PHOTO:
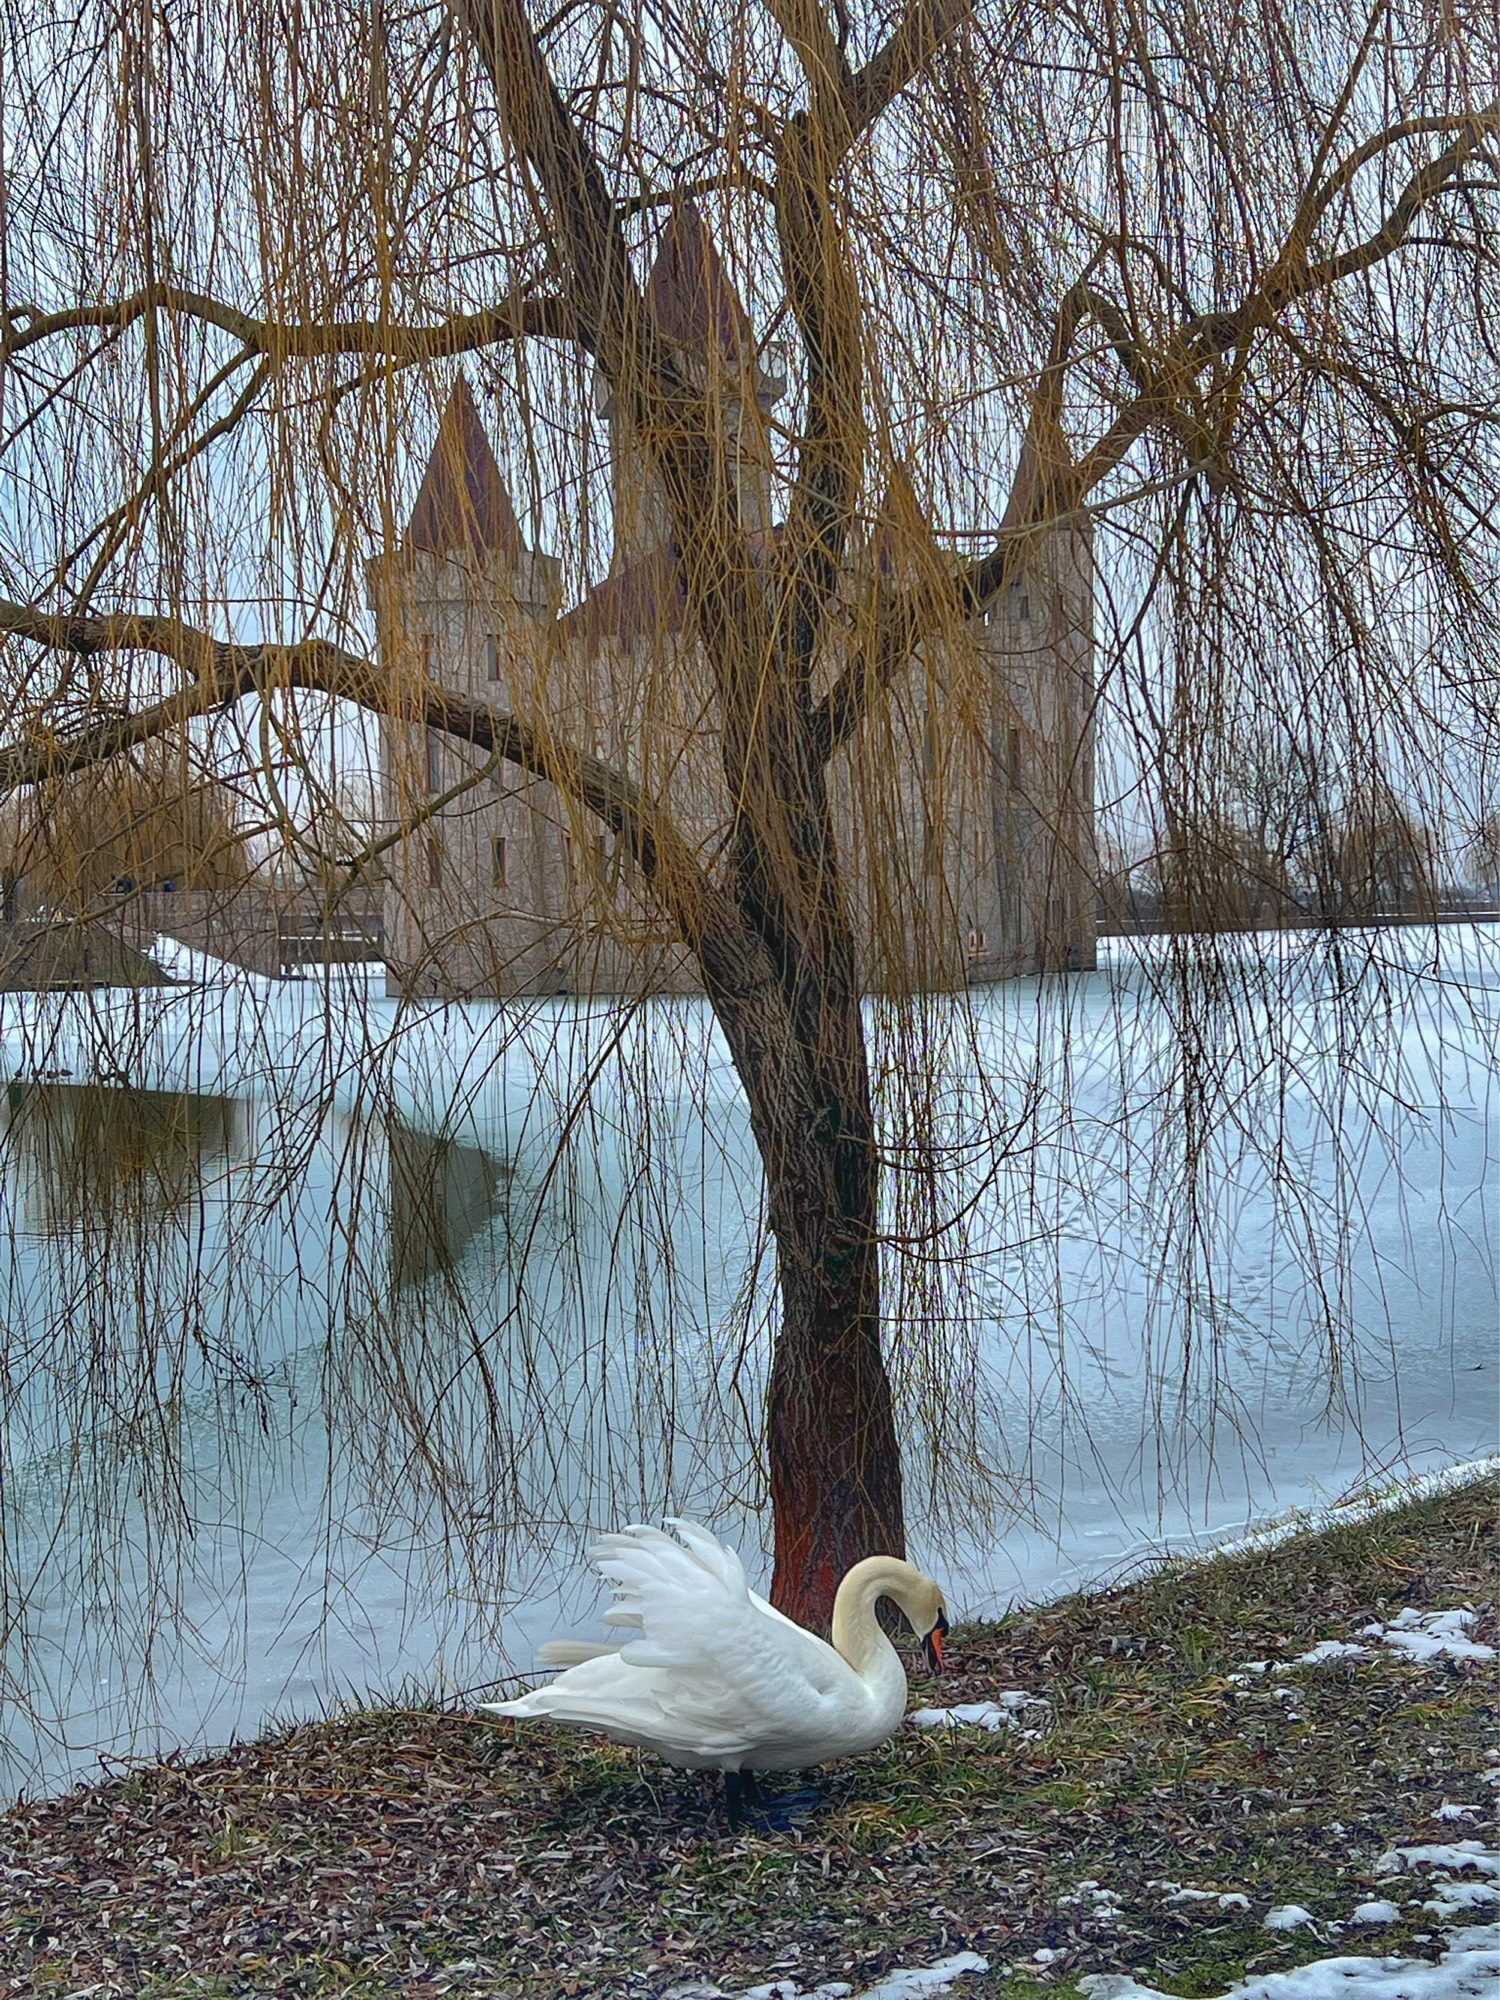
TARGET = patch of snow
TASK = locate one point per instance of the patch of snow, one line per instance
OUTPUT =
(1450, 1809)
(991, 1715)
(1223, 1900)
(1104, 1904)
(1329, 1649)
(1287, 1917)
(1458, 1854)
(1432, 1635)
(1363, 1507)
(1453, 1898)
(1467, 1970)
(913, 1983)
(1376, 1913)
(905, 1983)
(1421, 1635)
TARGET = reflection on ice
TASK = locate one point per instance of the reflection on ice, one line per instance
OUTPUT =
(442, 1194)
(333, 1328)
(87, 1155)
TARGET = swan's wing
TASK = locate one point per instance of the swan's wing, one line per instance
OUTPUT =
(670, 1592)
(731, 1666)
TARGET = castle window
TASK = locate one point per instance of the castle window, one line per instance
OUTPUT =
(493, 659)
(977, 946)
(434, 763)
(1013, 760)
(427, 654)
(498, 860)
(1023, 606)
(434, 864)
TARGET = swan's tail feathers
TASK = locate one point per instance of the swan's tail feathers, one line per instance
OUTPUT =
(571, 1652)
(522, 1705)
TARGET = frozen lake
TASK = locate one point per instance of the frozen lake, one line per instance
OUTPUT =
(332, 1328)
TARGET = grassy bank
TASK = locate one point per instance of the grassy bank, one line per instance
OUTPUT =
(418, 1852)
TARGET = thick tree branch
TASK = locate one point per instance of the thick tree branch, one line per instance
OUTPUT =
(582, 209)
(822, 290)
(219, 674)
(405, 345)
(830, 81)
(918, 36)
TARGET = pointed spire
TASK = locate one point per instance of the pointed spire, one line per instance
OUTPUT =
(692, 294)
(463, 505)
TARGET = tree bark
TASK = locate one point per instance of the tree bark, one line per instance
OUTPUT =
(795, 1027)
(835, 1462)
(834, 1456)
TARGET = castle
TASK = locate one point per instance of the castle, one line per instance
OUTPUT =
(963, 808)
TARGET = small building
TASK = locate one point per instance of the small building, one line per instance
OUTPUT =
(963, 808)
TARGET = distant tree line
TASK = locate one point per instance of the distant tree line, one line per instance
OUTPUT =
(1237, 868)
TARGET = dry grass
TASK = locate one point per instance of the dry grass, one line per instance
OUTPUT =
(418, 1852)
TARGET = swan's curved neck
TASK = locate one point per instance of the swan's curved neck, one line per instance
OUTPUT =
(856, 1629)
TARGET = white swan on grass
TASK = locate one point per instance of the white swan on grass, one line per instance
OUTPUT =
(715, 1678)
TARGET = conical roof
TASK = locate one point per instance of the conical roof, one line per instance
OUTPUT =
(692, 294)
(463, 505)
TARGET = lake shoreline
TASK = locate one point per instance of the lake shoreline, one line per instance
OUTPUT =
(421, 1851)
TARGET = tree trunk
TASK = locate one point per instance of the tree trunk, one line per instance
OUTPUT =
(835, 1462)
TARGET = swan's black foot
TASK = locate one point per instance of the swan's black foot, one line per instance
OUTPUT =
(745, 1804)
(739, 1787)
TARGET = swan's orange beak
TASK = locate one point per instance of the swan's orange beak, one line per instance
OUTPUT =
(933, 1645)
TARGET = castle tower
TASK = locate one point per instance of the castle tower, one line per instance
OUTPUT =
(700, 313)
(1039, 637)
(464, 604)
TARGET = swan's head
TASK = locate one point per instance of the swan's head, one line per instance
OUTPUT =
(929, 1619)
(918, 1597)
(932, 1645)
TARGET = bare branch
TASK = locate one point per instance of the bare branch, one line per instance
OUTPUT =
(1213, 334)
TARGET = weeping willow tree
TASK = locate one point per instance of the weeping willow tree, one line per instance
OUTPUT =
(1201, 297)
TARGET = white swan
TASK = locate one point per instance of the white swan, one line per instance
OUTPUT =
(716, 1679)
